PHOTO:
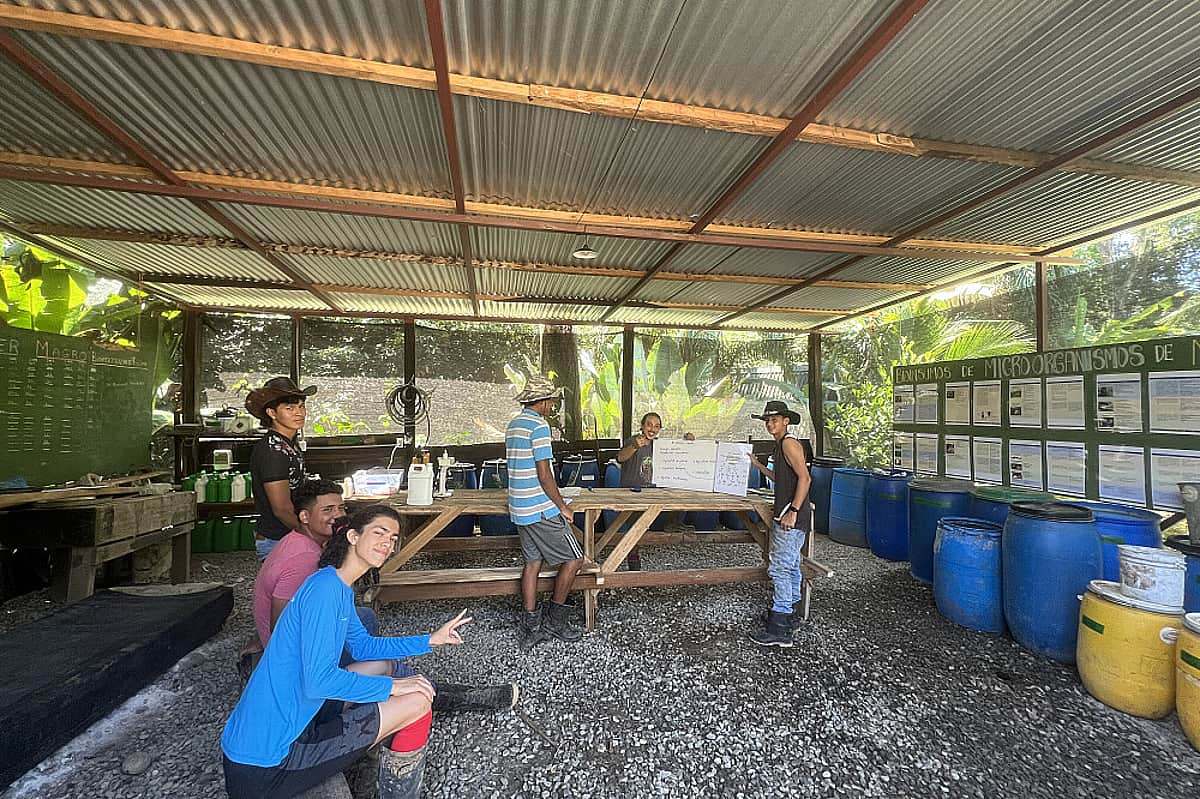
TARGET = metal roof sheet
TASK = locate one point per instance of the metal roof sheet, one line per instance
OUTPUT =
(758, 56)
(391, 31)
(376, 273)
(664, 316)
(908, 270)
(775, 321)
(1031, 74)
(290, 226)
(836, 298)
(415, 306)
(1171, 143)
(70, 205)
(541, 312)
(545, 285)
(716, 260)
(548, 158)
(835, 189)
(214, 296)
(703, 292)
(538, 247)
(234, 118)
(134, 258)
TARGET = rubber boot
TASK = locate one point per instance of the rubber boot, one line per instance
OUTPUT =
(363, 775)
(777, 632)
(558, 623)
(531, 630)
(797, 615)
(450, 697)
(401, 773)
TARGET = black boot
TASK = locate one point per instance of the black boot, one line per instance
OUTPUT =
(401, 773)
(796, 614)
(777, 632)
(558, 623)
(450, 697)
(531, 629)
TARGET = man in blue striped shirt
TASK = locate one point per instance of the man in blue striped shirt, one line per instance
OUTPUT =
(540, 513)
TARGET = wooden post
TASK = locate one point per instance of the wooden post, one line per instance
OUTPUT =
(190, 399)
(816, 393)
(297, 346)
(1041, 307)
(410, 374)
(626, 384)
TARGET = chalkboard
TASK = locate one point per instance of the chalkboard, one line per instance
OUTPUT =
(1117, 422)
(69, 406)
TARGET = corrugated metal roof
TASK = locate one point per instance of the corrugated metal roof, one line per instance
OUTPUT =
(392, 31)
(69, 205)
(703, 293)
(541, 312)
(550, 284)
(232, 118)
(1055, 206)
(241, 297)
(136, 257)
(1172, 143)
(373, 273)
(838, 299)
(537, 247)
(908, 270)
(288, 226)
(758, 56)
(775, 321)
(664, 316)
(547, 158)
(835, 189)
(1031, 74)
(709, 259)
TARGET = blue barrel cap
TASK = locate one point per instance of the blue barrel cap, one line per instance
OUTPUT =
(1052, 511)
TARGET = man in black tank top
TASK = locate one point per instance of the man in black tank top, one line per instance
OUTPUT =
(792, 520)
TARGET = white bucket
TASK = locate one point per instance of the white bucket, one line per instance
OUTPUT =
(1152, 575)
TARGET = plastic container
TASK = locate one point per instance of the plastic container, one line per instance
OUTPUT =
(1187, 678)
(822, 481)
(1152, 575)
(848, 506)
(967, 586)
(246, 526)
(1191, 581)
(494, 474)
(1122, 524)
(201, 488)
(887, 514)
(202, 537)
(582, 471)
(1126, 651)
(1050, 553)
(991, 502)
(225, 535)
(929, 500)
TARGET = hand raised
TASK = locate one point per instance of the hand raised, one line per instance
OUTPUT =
(448, 632)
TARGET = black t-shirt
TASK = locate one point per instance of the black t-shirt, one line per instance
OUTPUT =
(785, 486)
(638, 470)
(274, 458)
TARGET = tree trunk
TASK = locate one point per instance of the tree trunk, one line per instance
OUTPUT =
(560, 355)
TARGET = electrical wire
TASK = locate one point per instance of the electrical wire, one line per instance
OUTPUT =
(398, 401)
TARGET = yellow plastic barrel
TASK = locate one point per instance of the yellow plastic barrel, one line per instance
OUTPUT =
(1125, 651)
(1187, 678)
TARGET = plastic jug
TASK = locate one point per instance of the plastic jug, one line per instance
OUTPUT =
(202, 487)
(420, 484)
(237, 491)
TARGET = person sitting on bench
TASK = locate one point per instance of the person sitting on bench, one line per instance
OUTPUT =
(302, 718)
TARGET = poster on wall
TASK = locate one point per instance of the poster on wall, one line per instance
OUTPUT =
(1123, 473)
(1175, 402)
(988, 457)
(1025, 403)
(902, 400)
(986, 402)
(927, 403)
(1064, 402)
(958, 456)
(958, 403)
(927, 453)
(1066, 467)
(1025, 464)
(1119, 403)
(1169, 468)
(904, 451)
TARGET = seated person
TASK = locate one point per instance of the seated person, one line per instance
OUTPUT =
(283, 738)
(637, 470)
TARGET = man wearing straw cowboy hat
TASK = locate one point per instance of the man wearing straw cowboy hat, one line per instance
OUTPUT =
(540, 513)
(277, 461)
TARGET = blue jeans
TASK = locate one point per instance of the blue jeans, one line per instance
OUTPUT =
(784, 567)
(263, 547)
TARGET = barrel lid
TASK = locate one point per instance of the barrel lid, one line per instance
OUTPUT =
(946, 484)
(1115, 511)
(971, 526)
(1111, 591)
(1051, 511)
(891, 474)
(1010, 494)
(1181, 543)
(1192, 622)
(829, 462)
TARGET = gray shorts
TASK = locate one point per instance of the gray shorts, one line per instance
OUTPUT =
(549, 540)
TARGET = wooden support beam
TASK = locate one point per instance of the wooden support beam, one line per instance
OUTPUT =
(410, 375)
(192, 355)
(538, 95)
(297, 349)
(1041, 307)
(627, 347)
(816, 393)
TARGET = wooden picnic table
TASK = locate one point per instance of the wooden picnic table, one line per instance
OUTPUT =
(600, 570)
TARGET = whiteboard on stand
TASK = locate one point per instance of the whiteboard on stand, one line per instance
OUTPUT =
(709, 466)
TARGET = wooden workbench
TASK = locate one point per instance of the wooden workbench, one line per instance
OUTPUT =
(600, 570)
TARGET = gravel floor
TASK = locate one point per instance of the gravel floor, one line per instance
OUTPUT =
(881, 697)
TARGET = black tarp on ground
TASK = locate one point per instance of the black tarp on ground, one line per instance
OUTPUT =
(62, 673)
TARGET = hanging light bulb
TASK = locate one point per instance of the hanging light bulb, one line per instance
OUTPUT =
(584, 253)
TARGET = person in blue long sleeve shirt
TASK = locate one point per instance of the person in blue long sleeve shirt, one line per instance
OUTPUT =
(276, 743)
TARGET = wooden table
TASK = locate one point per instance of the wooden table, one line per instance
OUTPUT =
(598, 573)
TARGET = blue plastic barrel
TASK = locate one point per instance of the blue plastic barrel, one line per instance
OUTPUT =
(822, 480)
(461, 476)
(495, 475)
(967, 586)
(1122, 524)
(991, 502)
(887, 514)
(582, 471)
(1191, 586)
(848, 506)
(930, 499)
(1049, 553)
(729, 518)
